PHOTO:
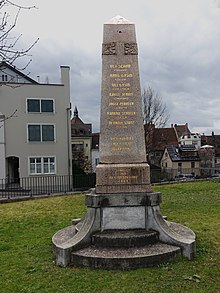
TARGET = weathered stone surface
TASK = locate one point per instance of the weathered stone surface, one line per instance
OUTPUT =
(124, 238)
(94, 200)
(123, 258)
(123, 164)
(123, 218)
(118, 178)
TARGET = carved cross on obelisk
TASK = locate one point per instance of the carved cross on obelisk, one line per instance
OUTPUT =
(123, 167)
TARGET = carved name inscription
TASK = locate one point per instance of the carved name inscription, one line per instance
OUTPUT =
(121, 104)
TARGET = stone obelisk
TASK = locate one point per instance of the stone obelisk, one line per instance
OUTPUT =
(122, 153)
(123, 227)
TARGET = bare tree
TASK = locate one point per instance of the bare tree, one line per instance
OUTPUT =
(154, 110)
(9, 44)
(81, 162)
(4, 118)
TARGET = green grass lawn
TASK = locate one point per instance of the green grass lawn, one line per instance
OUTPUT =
(26, 262)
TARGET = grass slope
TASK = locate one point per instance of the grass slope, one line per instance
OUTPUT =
(26, 259)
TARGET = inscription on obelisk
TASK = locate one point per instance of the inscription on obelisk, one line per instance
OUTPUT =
(123, 166)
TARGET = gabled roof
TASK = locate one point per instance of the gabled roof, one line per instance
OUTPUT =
(173, 152)
(4, 65)
(78, 127)
(76, 121)
(212, 140)
(161, 137)
(181, 129)
(186, 153)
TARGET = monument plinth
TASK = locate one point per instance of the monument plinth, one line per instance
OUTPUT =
(123, 227)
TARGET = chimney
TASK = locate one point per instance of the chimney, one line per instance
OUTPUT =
(65, 79)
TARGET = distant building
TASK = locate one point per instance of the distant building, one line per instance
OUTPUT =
(156, 141)
(95, 151)
(34, 125)
(207, 156)
(158, 138)
(81, 139)
(185, 137)
(213, 140)
(10, 75)
(181, 129)
(190, 139)
(181, 160)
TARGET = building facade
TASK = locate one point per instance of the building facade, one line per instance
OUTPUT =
(190, 139)
(2, 146)
(35, 134)
(181, 160)
(95, 151)
(81, 139)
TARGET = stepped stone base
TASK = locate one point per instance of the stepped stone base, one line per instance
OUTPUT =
(124, 238)
(120, 258)
(122, 231)
(124, 249)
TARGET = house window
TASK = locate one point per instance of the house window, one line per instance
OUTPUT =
(33, 105)
(42, 165)
(41, 132)
(192, 164)
(40, 105)
(4, 77)
(77, 147)
(47, 106)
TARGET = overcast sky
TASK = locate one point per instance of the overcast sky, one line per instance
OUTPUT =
(179, 52)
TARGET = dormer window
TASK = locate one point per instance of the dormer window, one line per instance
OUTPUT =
(4, 78)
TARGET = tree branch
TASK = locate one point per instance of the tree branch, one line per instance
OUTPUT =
(8, 45)
(154, 110)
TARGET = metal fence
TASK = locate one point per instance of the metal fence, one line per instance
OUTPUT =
(45, 185)
(84, 181)
(169, 174)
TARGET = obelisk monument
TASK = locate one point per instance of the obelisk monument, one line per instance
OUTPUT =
(123, 227)
(122, 152)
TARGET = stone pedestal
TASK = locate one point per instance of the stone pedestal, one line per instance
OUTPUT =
(122, 212)
(118, 178)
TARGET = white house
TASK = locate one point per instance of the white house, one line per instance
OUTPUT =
(190, 139)
(35, 135)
